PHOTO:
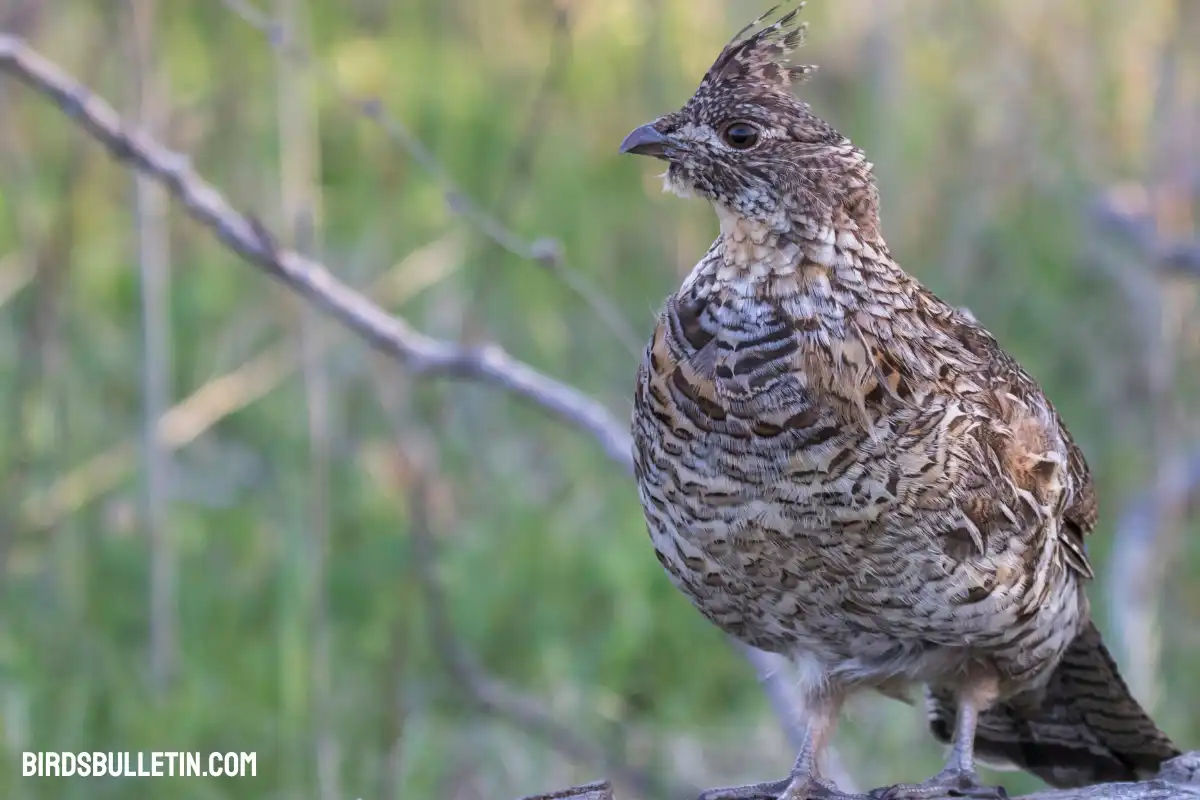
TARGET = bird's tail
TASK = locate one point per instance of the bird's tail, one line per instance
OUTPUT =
(1083, 728)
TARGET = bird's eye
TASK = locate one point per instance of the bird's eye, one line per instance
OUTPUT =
(741, 135)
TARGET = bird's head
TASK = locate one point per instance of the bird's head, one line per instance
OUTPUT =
(747, 144)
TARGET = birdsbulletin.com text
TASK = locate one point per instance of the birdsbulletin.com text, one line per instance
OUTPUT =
(151, 764)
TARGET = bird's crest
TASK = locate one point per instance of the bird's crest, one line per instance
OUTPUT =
(759, 54)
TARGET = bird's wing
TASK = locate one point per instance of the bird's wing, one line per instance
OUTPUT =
(1081, 512)
(877, 367)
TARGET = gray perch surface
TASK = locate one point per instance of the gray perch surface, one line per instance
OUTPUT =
(1179, 778)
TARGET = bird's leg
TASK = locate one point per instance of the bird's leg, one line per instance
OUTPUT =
(805, 781)
(958, 778)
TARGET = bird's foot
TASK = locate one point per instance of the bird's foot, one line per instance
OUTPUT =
(767, 790)
(947, 783)
(795, 788)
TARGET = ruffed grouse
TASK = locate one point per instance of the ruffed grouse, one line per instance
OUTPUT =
(838, 466)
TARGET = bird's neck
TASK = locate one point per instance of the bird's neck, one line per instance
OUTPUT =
(836, 187)
(821, 276)
(822, 245)
(797, 253)
(832, 196)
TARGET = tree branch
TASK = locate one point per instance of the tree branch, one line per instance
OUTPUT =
(1140, 558)
(1178, 780)
(477, 684)
(1123, 212)
(1149, 530)
(543, 251)
(246, 236)
(600, 790)
(249, 238)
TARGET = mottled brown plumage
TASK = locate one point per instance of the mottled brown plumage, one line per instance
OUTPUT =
(838, 466)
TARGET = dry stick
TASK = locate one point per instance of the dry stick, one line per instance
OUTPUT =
(1145, 536)
(600, 790)
(547, 252)
(391, 335)
(514, 175)
(775, 676)
(247, 237)
(300, 212)
(1139, 563)
(544, 251)
(489, 364)
(226, 394)
(154, 263)
(494, 696)
(1181, 257)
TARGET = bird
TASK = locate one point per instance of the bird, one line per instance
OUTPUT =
(836, 465)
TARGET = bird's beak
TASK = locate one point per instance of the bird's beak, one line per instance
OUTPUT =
(646, 141)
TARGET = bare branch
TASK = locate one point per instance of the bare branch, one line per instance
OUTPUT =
(250, 239)
(478, 685)
(247, 237)
(154, 261)
(300, 213)
(1139, 563)
(600, 790)
(221, 396)
(544, 251)
(1124, 212)
(1151, 526)
(1179, 779)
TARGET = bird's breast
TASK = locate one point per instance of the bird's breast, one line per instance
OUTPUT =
(786, 519)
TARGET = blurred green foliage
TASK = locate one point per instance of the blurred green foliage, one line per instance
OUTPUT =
(995, 125)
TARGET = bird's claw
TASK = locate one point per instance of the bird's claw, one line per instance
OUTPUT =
(786, 789)
(767, 790)
(949, 783)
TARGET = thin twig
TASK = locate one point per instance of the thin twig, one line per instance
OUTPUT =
(546, 251)
(221, 396)
(250, 239)
(300, 211)
(1138, 565)
(479, 686)
(600, 790)
(514, 174)
(247, 237)
(154, 260)
(1110, 212)
(1146, 535)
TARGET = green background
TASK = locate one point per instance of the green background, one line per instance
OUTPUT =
(285, 506)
